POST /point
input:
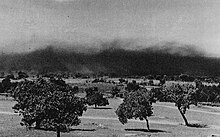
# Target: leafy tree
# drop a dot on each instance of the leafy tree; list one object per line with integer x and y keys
{"x": 6, "y": 83}
{"x": 136, "y": 104}
{"x": 58, "y": 81}
{"x": 97, "y": 80}
{"x": 182, "y": 95}
{"x": 48, "y": 105}
{"x": 94, "y": 97}
{"x": 209, "y": 93}
{"x": 132, "y": 86}
{"x": 22, "y": 74}
{"x": 115, "y": 91}
{"x": 187, "y": 78}
{"x": 150, "y": 77}
{"x": 121, "y": 80}
{"x": 10, "y": 76}
{"x": 151, "y": 83}
{"x": 162, "y": 81}
{"x": 158, "y": 95}
{"x": 2, "y": 74}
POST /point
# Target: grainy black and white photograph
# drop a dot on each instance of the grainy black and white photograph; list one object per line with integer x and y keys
{"x": 109, "y": 68}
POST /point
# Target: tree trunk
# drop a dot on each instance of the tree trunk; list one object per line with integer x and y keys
{"x": 95, "y": 106}
{"x": 37, "y": 124}
{"x": 184, "y": 118}
{"x": 58, "y": 131}
{"x": 148, "y": 127}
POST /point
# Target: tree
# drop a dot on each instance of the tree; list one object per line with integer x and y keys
{"x": 1, "y": 88}
{"x": 6, "y": 83}
{"x": 208, "y": 93}
{"x": 94, "y": 97}
{"x": 121, "y": 80}
{"x": 162, "y": 81}
{"x": 22, "y": 74}
{"x": 48, "y": 105}
{"x": 185, "y": 77}
{"x": 10, "y": 76}
{"x": 136, "y": 104}
{"x": 151, "y": 83}
{"x": 132, "y": 86}
{"x": 182, "y": 95}
{"x": 2, "y": 74}
{"x": 115, "y": 91}
{"x": 58, "y": 81}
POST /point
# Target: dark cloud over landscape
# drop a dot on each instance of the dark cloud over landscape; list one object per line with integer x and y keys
{"x": 27, "y": 25}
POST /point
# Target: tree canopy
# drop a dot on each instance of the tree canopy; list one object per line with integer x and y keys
{"x": 94, "y": 97}
{"x": 48, "y": 105}
{"x": 136, "y": 104}
{"x": 182, "y": 95}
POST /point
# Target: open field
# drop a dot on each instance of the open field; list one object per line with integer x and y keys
{"x": 103, "y": 122}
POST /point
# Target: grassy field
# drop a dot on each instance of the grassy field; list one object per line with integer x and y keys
{"x": 103, "y": 122}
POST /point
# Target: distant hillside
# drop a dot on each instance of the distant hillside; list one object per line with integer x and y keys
{"x": 153, "y": 60}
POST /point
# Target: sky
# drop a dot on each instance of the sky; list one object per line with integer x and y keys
{"x": 29, "y": 24}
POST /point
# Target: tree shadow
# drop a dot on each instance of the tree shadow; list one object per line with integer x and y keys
{"x": 99, "y": 108}
{"x": 43, "y": 129}
{"x": 82, "y": 129}
{"x": 145, "y": 130}
{"x": 71, "y": 129}
{"x": 196, "y": 125}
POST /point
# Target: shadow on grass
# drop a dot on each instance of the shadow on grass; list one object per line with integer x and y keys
{"x": 196, "y": 125}
{"x": 82, "y": 129}
{"x": 98, "y": 108}
{"x": 145, "y": 130}
{"x": 71, "y": 129}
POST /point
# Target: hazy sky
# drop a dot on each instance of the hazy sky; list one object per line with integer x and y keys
{"x": 28, "y": 24}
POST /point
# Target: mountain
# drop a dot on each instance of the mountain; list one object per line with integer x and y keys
{"x": 169, "y": 60}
